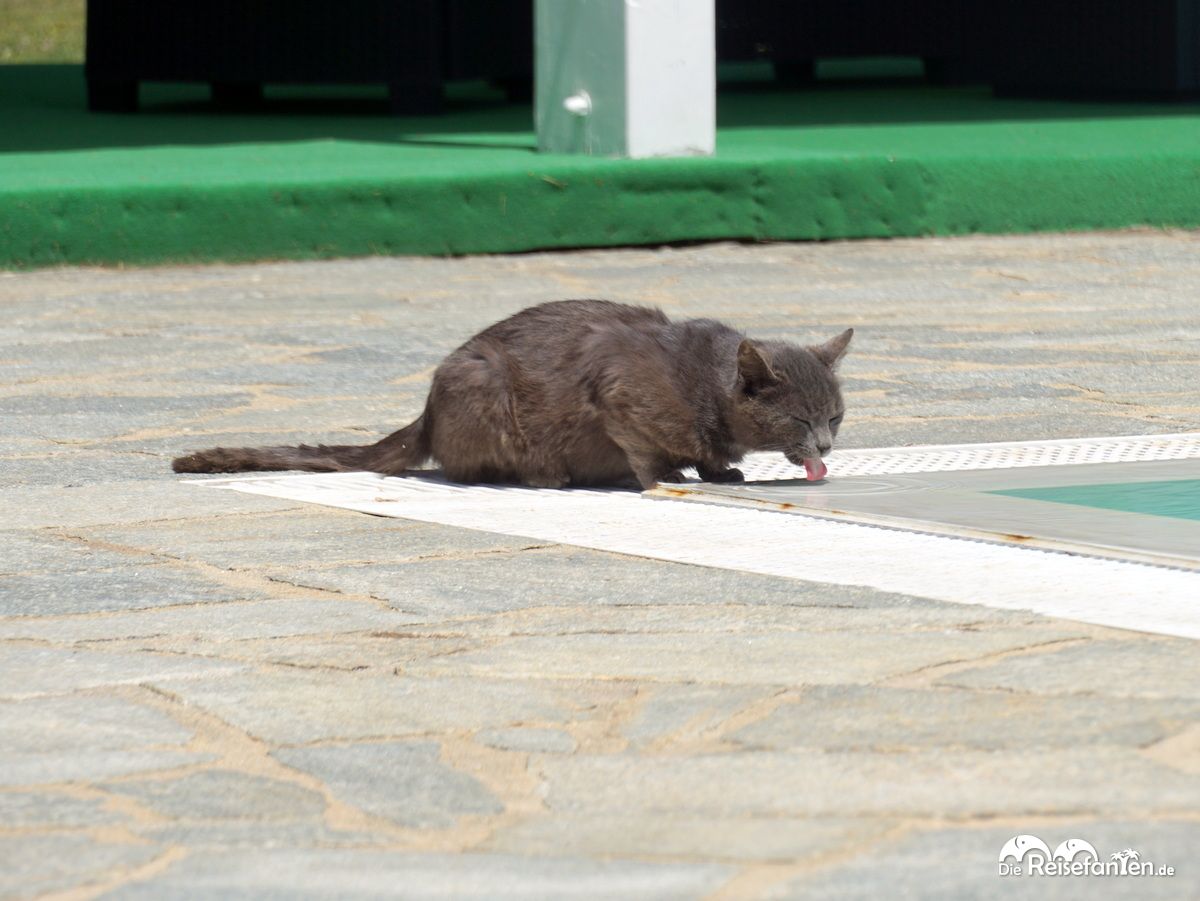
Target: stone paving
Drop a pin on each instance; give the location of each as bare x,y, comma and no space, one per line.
212,695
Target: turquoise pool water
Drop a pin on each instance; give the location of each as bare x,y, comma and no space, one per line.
1176,498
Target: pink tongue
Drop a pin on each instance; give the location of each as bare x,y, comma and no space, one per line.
814,468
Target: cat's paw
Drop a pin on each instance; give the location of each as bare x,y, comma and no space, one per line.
722,475
674,477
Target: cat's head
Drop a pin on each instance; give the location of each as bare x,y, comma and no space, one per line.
787,398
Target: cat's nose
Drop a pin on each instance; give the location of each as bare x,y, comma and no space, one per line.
823,449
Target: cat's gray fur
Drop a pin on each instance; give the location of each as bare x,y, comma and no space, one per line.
590,392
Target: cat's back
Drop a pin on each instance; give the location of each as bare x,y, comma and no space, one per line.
566,321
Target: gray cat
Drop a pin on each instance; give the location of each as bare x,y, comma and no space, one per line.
590,392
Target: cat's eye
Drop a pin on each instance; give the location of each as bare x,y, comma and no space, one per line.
836,421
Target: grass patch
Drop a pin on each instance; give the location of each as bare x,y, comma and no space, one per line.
41,31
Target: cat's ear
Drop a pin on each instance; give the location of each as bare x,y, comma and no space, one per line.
753,366
831,352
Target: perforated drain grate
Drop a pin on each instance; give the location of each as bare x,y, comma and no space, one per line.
1008,455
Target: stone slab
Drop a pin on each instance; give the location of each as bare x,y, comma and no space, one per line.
304,706
47,465
293,543
48,671
762,657
572,577
670,712
841,717
110,503
947,783
757,607
81,738
126,587
33,865
528,740
405,782
91,416
1145,668
368,874
653,835
188,627
223,795
40,810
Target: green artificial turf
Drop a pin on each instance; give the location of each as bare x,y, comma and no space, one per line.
322,174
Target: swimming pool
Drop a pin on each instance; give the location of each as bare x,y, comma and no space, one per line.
1176,498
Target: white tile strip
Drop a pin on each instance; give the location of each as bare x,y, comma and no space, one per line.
1087,589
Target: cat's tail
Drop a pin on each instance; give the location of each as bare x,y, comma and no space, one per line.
399,451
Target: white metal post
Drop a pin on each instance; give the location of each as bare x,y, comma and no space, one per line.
626,77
